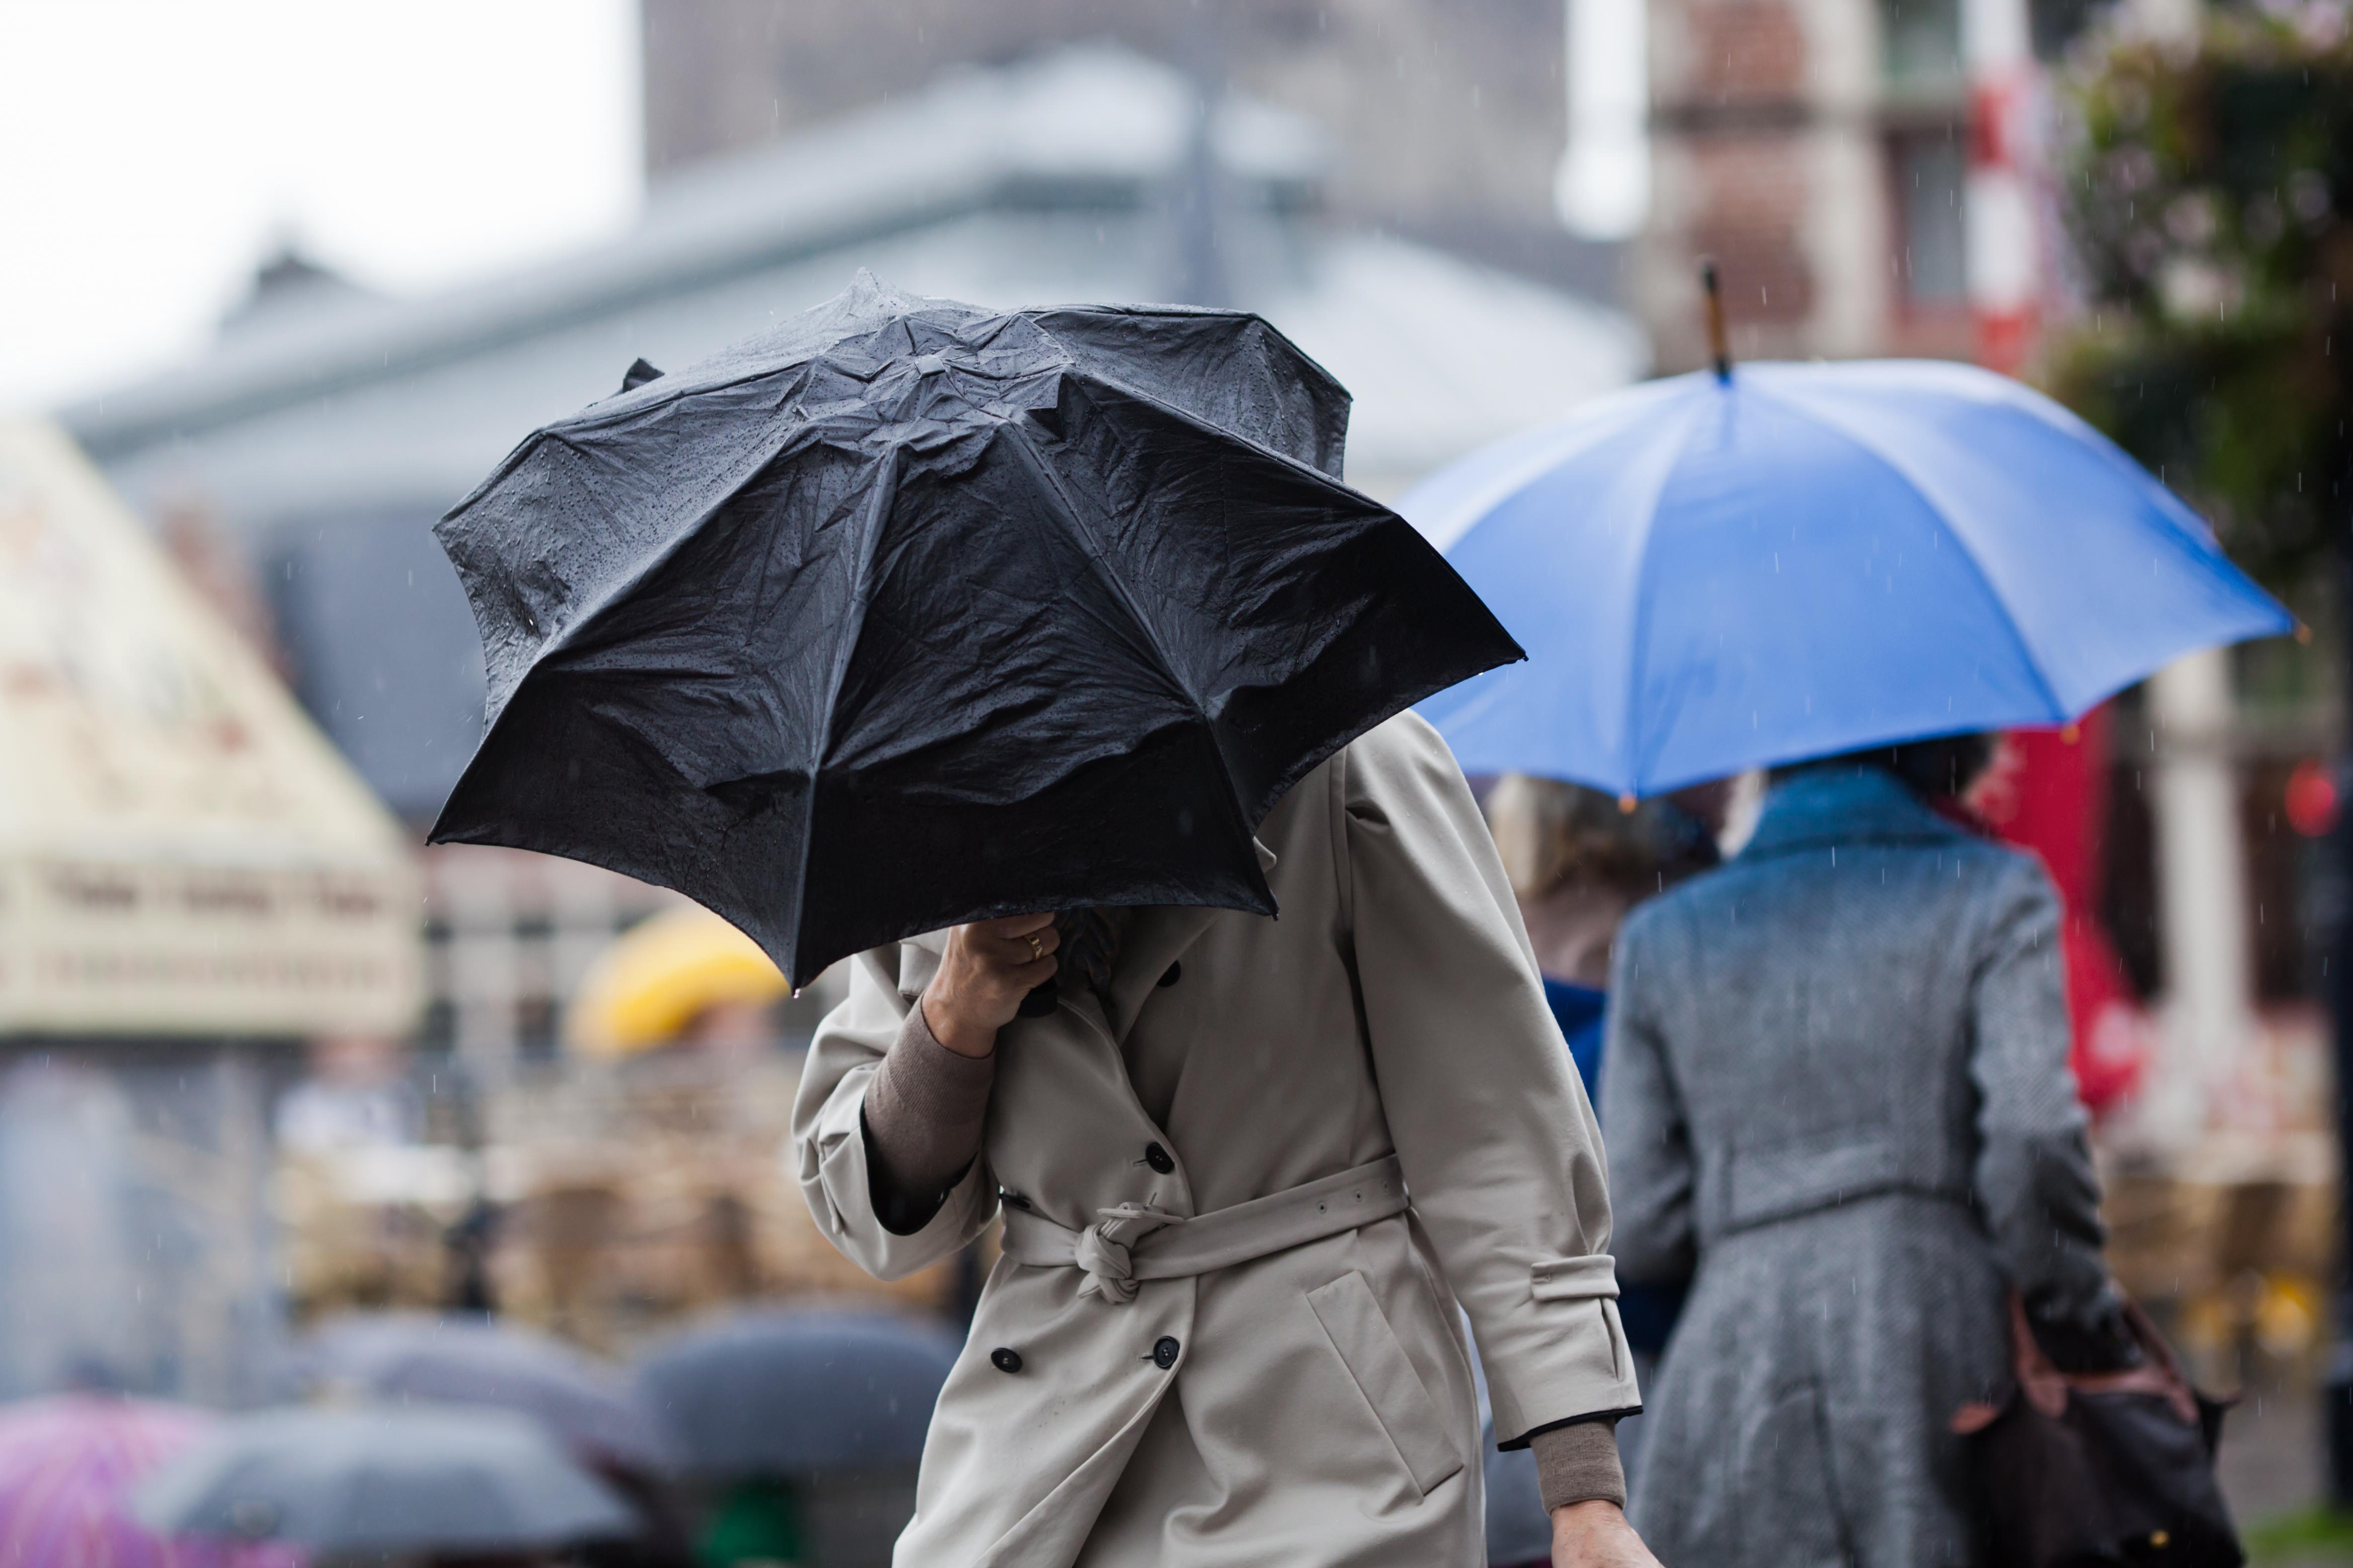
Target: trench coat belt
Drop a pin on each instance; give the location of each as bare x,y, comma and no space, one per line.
1133,1242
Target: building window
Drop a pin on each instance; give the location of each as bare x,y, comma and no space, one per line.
538,1028
1931,261
2056,24
437,1032
1920,45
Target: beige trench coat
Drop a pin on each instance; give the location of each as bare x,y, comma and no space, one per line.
1319,1406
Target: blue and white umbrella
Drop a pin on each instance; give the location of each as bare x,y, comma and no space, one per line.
1712,574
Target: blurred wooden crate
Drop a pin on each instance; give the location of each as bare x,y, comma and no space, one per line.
2236,1272
2171,1240
629,1199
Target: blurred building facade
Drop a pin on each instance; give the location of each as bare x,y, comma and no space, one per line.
1452,110
1818,149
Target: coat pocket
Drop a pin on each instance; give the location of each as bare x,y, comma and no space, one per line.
1368,1348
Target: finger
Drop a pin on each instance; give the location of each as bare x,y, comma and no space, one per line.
1021,925
1028,947
1035,973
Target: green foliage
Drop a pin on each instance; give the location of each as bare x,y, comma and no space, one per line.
2302,1539
2210,195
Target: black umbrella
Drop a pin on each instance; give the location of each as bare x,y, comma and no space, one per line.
784,1393
909,614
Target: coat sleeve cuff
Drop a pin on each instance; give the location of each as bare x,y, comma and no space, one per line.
1561,1356
838,1178
1608,1417
922,1120
1577,1462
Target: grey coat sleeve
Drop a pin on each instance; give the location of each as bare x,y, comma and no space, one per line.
1650,1166
2034,1181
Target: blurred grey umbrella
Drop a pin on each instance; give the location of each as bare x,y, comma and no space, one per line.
794,1393
382,1479
399,1356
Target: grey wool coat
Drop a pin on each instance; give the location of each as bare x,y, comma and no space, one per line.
1836,1084
1313,1405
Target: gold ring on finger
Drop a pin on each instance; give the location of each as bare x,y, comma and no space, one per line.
1036,948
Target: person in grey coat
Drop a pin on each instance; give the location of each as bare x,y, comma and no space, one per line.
1838,1092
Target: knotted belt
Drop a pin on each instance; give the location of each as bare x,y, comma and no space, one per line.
1133,1242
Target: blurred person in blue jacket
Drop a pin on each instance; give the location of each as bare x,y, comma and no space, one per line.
1578,862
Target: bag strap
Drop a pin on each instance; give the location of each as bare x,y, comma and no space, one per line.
2040,1383
2157,1357
2038,1377
2046,1387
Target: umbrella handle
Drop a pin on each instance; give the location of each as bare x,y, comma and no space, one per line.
1718,347
1042,1000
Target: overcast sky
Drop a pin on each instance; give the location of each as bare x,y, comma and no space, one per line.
153,151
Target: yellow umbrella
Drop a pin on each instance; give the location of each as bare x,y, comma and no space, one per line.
649,985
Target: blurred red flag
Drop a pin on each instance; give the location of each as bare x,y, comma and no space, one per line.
2047,792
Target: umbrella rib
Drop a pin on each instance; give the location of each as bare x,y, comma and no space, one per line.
1549,449
1067,516
1646,518
1942,515
648,564
1091,547
884,491
593,609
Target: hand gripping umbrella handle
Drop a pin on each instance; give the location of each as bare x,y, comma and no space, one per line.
1042,1000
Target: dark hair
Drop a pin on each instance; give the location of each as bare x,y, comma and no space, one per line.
1940,768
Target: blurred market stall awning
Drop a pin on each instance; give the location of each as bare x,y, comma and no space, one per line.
181,851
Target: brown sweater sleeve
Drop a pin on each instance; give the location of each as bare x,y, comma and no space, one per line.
922,1117
1578,1463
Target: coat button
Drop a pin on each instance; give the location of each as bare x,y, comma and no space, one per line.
1175,972
1164,1353
1158,1159
1004,1358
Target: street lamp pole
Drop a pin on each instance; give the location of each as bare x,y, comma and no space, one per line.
2336,1386
2005,252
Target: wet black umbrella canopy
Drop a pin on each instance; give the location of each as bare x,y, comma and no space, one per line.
908,613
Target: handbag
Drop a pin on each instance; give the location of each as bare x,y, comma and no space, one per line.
2088,1470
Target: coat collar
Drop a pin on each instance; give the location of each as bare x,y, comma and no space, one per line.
1157,939
1825,806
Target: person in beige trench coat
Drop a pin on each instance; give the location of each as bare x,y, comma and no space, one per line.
1288,1386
